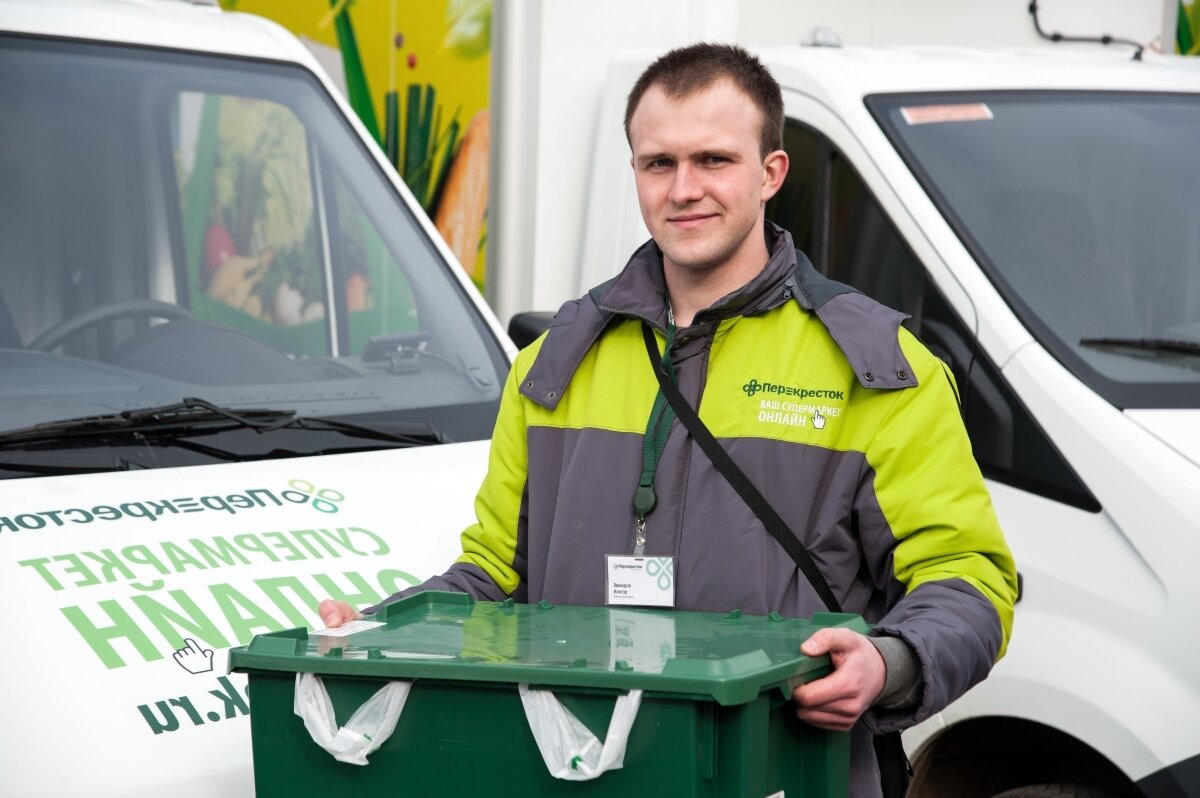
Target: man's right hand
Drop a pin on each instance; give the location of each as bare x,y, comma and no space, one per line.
335,613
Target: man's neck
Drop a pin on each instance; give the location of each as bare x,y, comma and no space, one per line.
686,301
691,291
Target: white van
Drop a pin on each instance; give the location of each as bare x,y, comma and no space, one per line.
238,373
1038,215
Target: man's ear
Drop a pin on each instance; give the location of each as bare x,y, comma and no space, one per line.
775,169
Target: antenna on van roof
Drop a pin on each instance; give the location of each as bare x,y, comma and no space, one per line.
1059,37
821,36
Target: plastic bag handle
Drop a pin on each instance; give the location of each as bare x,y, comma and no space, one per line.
368,728
569,748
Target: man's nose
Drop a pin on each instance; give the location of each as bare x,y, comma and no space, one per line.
686,186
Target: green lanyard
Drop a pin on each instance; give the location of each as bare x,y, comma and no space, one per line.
662,415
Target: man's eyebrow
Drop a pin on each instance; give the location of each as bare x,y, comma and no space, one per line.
653,156
709,152
717,152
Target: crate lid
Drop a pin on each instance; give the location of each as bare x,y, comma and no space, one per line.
729,658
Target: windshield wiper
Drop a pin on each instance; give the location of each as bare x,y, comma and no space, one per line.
55,464
1173,345
411,433
189,412
194,415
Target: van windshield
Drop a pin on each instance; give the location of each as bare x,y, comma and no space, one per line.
177,227
1082,209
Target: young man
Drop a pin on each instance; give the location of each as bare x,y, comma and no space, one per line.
841,419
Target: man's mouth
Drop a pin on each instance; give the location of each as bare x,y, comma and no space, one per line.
688,221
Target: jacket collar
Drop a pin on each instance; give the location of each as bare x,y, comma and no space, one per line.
640,289
865,331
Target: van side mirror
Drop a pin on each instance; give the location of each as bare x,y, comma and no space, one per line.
525,327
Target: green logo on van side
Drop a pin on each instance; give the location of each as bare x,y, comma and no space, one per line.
324,499
300,491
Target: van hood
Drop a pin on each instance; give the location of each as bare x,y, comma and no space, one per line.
134,584
1179,429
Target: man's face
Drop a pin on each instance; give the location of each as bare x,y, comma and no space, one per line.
701,180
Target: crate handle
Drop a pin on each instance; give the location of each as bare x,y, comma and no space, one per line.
368,728
569,748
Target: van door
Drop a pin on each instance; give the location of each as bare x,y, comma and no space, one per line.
837,219
865,219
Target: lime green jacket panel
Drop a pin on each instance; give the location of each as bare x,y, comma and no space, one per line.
923,469
491,542
780,376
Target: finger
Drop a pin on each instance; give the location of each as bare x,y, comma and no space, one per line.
859,673
851,706
816,645
828,720
336,613
193,645
827,716
835,687
330,612
847,707
825,641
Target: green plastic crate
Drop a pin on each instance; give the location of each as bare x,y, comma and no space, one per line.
716,718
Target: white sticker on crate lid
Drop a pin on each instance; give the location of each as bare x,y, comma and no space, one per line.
956,112
347,629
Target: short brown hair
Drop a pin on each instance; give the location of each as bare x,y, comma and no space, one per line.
686,70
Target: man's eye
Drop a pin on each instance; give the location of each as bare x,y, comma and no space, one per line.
715,159
660,163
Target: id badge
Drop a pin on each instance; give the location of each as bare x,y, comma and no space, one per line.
641,581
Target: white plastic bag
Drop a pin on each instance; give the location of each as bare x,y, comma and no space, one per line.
570,749
368,728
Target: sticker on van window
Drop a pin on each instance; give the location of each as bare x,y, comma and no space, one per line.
960,112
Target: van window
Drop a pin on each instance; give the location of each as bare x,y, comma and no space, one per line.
836,221
833,213
1050,192
180,233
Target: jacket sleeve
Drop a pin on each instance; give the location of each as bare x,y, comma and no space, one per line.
949,561
491,567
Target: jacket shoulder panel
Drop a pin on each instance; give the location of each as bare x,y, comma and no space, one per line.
867,332
576,326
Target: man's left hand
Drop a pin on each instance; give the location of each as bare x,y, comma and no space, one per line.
838,700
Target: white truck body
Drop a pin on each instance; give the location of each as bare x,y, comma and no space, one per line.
135,549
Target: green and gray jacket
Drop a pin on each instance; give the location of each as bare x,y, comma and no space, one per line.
847,425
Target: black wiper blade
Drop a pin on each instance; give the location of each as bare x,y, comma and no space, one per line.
186,414
418,434
58,465
412,434
1174,345
194,415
